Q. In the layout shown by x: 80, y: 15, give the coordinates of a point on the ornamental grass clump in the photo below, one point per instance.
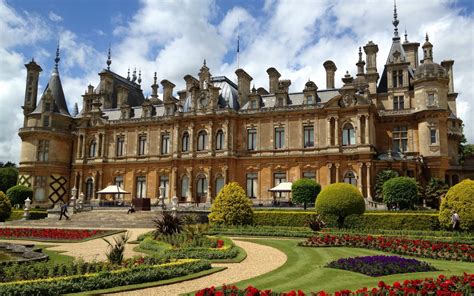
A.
x: 380, y: 265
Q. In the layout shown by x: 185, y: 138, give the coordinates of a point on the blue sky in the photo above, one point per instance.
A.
x: 173, y: 37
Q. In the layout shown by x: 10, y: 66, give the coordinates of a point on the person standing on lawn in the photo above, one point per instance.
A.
x: 455, y: 220
x: 63, y: 211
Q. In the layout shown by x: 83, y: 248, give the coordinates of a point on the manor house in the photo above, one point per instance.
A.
x: 219, y: 129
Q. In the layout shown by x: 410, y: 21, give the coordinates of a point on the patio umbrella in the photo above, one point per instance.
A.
x: 112, y: 189
x: 282, y: 187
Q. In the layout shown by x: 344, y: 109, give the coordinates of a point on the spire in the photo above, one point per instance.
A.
x: 75, y: 110
x: 427, y: 50
x: 128, y: 74
x: 204, y: 63
x: 139, y: 76
x: 360, y: 64
x: 154, y: 88
x: 109, y: 59
x: 395, y: 19
x: 57, y: 59
x: 406, y: 36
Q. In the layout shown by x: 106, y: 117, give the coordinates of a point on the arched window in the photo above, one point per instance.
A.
x: 219, y: 184
x: 201, y: 188
x: 184, y: 188
x: 350, y: 178
x: 202, y: 141
x: 185, y: 142
x: 348, y: 135
x: 220, y: 140
x: 89, y: 189
x: 93, y: 148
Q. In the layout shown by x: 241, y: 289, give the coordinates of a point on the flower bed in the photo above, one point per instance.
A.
x: 454, y: 286
x: 403, y: 246
x: 53, y: 234
x: 380, y: 265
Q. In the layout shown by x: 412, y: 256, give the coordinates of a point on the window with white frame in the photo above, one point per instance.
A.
x: 431, y: 100
x: 185, y: 142
x: 252, y: 183
x: 253, y: 104
x: 433, y: 136
x: 310, y: 100
x: 397, y: 78
x: 43, y: 150
x: 165, y: 143
x: 141, y: 145
x: 220, y: 140
x: 219, y: 184
x: 348, y: 135
x: 202, y: 141
x: 201, y: 187
x: 118, y: 181
x: 119, y: 151
x: 251, y: 139
x: 89, y: 188
x: 308, y: 132
x: 277, y: 179
x: 164, y: 183
x: 279, y: 137
x: 140, y: 187
x: 400, y: 139
x: 93, y: 149
x: 184, y: 187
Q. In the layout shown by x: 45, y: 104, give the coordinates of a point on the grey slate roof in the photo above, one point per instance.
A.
x: 297, y: 98
x: 135, y: 94
x: 57, y: 92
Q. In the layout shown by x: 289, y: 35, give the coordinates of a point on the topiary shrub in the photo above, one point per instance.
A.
x: 305, y: 191
x: 380, y: 179
x: 5, y: 207
x: 18, y: 194
x: 400, y: 192
x: 340, y: 200
x: 460, y: 198
x: 231, y: 207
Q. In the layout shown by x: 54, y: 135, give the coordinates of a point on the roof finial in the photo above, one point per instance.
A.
x: 128, y: 74
x: 360, y: 54
x: 109, y: 59
x: 139, y: 76
x: 134, y: 76
x: 395, y: 18
x: 57, y: 59
x: 204, y: 63
x: 154, y: 79
x: 426, y: 37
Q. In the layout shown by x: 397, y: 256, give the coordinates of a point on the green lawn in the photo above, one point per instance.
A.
x: 304, y: 269
x: 55, y: 256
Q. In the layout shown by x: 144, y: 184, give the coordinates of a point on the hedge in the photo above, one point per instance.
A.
x: 34, y: 215
x: 104, y: 280
x: 371, y: 220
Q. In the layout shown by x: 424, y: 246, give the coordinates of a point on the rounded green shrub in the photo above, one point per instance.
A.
x: 231, y: 207
x: 381, y: 178
x: 8, y: 178
x: 460, y: 198
x: 340, y: 200
x: 400, y: 192
x: 305, y: 191
x: 5, y: 207
x: 19, y: 193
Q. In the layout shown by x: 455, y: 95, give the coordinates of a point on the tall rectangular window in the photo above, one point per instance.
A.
x: 309, y: 175
x: 252, y: 183
x: 400, y: 138
x: 309, y: 100
x: 141, y: 187
x: 164, y: 183
x: 398, y: 103
x: 40, y: 188
x: 279, y: 137
x: 433, y: 138
x: 43, y: 150
x: 431, y: 100
x: 46, y: 121
x: 119, y: 182
x: 141, y: 145
x: 120, y: 146
x: 308, y: 132
x: 165, y: 144
x: 277, y: 179
x: 251, y: 139
x: 397, y: 78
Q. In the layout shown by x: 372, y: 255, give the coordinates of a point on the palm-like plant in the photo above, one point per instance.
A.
x: 167, y: 224
x: 115, y: 252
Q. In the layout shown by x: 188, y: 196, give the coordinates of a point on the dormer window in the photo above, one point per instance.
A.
x: 46, y: 121
x: 47, y: 107
x: 253, y: 104
x: 309, y: 100
x: 397, y: 78
x: 398, y: 103
x: 431, y: 100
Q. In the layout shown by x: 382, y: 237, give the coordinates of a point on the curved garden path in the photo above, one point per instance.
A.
x: 260, y: 259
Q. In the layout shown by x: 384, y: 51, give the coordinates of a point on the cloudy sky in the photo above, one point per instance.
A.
x: 173, y: 37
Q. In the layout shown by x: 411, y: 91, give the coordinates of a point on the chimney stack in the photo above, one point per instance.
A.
x: 448, y: 65
x: 167, y: 89
x: 243, y: 84
x: 273, y: 76
x: 330, y: 73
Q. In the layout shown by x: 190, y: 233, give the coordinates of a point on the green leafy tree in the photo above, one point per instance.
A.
x: 305, y: 191
x: 401, y: 192
x: 8, y: 178
x: 5, y: 207
x: 231, y: 207
x: 459, y: 198
x: 340, y: 200
x: 435, y: 190
x: 7, y: 164
x: 380, y: 179
x: 19, y: 193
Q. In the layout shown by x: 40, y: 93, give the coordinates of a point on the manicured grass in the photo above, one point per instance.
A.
x: 304, y: 269
x: 55, y: 256
x: 152, y: 284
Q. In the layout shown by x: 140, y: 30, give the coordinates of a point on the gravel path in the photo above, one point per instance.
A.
x: 260, y: 259
x: 89, y: 250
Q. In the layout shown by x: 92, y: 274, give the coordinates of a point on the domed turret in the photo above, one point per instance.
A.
x: 429, y: 69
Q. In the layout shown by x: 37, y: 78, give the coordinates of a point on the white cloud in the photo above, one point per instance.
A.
x: 54, y: 17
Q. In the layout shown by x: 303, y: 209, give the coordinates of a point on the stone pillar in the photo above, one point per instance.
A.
x: 369, y: 195
x: 226, y: 173
x: 79, y: 186
x: 359, y: 178
x: 367, y: 135
x: 211, y: 141
x: 84, y: 148
x: 359, y: 130
x: 317, y: 175
x: 174, y: 182
x: 190, y: 186
x: 192, y: 141
x: 209, y: 186
x: 336, y: 131
x: 337, y: 172
x: 329, y: 173
x: 226, y: 137
x: 175, y: 139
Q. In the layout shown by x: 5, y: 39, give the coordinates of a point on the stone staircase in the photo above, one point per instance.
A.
x: 96, y: 219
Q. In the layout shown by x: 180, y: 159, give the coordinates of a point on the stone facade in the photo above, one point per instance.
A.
x: 216, y: 131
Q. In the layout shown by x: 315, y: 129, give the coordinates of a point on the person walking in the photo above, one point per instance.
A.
x: 63, y: 211
x: 455, y: 220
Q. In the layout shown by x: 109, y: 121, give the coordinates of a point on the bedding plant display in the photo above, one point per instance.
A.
x: 53, y: 234
x: 453, y: 286
x: 403, y: 246
x: 380, y: 265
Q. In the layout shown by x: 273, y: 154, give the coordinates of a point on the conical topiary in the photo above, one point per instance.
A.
x: 231, y: 207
